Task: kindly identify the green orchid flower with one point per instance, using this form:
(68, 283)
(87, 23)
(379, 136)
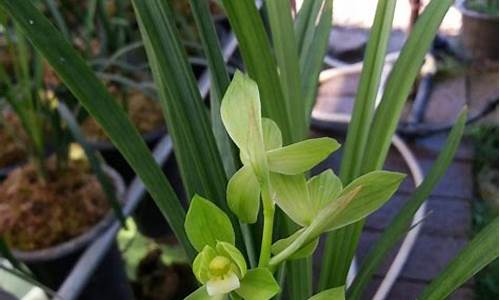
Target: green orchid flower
(261, 148)
(219, 266)
(321, 204)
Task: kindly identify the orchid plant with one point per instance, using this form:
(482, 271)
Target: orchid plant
(266, 191)
(274, 175)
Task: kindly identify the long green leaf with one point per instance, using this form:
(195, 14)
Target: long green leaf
(201, 168)
(478, 253)
(400, 82)
(219, 80)
(305, 23)
(402, 221)
(359, 126)
(311, 58)
(364, 104)
(285, 48)
(384, 125)
(82, 82)
(187, 119)
(259, 61)
(58, 18)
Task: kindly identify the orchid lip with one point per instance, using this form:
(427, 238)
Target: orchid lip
(223, 285)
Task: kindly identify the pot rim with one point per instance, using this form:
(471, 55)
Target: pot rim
(462, 7)
(106, 145)
(81, 240)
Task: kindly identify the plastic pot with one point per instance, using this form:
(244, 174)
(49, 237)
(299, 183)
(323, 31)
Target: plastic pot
(479, 33)
(51, 265)
(149, 219)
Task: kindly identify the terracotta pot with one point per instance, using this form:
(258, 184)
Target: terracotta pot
(479, 33)
(51, 265)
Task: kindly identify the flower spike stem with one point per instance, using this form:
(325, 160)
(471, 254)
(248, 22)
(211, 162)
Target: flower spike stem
(267, 234)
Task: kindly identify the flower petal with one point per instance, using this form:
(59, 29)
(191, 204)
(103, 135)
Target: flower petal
(243, 195)
(223, 286)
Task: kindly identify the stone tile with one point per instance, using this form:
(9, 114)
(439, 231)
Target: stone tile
(334, 104)
(428, 258)
(404, 290)
(456, 182)
(445, 217)
(431, 146)
(483, 87)
(447, 98)
(341, 85)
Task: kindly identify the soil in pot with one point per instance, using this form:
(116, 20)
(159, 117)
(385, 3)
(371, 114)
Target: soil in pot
(158, 281)
(11, 152)
(49, 225)
(146, 115)
(38, 215)
(144, 112)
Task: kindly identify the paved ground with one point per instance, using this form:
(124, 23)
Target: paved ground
(447, 228)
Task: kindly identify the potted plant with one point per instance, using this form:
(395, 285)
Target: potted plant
(250, 157)
(60, 200)
(479, 33)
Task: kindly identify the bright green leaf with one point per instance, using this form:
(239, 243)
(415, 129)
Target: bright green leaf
(302, 156)
(376, 188)
(243, 195)
(292, 197)
(323, 188)
(232, 252)
(201, 263)
(206, 224)
(258, 284)
(337, 293)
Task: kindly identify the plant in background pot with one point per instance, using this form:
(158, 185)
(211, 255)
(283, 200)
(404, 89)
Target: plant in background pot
(267, 121)
(54, 205)
(480, 28)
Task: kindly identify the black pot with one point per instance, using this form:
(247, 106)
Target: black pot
(6, 295)
(115, 159)
(52, 265)
(148, 217)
